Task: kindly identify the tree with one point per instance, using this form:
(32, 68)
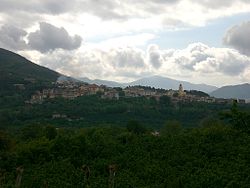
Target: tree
(5, 142)
(135, 127)
(50, 132)
(238, 119)
(171, 127)
(165, 100)
(31, 132)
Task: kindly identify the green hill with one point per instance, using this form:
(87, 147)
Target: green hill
(18, 73)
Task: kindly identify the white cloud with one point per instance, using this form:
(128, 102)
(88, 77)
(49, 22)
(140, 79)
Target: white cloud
(95, 18)
(137, 40)
(114, 30)
(196, 63)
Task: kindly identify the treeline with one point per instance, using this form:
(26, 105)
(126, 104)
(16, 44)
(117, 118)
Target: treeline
(215, 154)
(92, 110)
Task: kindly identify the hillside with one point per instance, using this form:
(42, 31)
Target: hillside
(237, 91)
(17, 71)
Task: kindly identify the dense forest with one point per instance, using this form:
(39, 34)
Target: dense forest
(134, 142)
(92, 110)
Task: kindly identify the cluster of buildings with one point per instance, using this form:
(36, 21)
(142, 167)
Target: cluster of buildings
(65, 90)
(72, 90)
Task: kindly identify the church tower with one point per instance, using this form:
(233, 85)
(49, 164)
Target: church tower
(181, 91)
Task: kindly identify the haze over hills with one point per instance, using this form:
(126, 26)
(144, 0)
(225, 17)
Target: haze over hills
(236, 91)
(157, 82)
(102, 82)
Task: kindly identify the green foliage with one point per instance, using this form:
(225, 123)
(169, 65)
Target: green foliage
(50, 132)
(210, 122)
(165, 100)
(92, 110)
(171, 127)
(135, 127)
(5, 141)
(197, 93)
(209, 156)
(238, 119)
(31, 132)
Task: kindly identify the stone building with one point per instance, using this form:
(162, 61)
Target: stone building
(181, 92)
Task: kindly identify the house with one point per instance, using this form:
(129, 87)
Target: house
(110, 95)
(93, 89)
(134, 92)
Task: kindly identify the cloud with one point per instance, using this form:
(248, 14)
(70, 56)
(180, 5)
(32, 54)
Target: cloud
(127, 40)
(49, 37)
(34, 6)
(154, 56)
(238, 37)
(246, 75)
(12, 37)
(195, 62)
(97, 63)
(173, 12)
(218, 4)
(201, 58)
(125, 57)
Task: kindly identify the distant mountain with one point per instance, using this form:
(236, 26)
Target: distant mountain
(103, 82)
(16, 70)
(64, 78)
(236, 91)
(167, 83)
(157, 82)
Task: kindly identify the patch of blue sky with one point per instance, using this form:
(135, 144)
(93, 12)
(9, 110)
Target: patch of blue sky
(211, 34)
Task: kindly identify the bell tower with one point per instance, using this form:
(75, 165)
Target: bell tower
(181, 91)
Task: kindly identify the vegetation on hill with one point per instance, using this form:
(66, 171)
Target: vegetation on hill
(20, 78)
(18, 73)
(87, 111)
(197, 93)
(216, 154)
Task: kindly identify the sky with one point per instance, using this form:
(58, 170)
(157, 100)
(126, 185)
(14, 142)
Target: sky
(201, 41)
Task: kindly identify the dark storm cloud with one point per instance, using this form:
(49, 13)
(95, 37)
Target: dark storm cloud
(49, 38)
(238, 37)
(12, 38)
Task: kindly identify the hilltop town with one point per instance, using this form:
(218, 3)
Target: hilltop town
(71, 90)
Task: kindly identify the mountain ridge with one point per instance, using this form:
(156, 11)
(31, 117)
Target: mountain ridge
(155, 81)
(240, 91)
